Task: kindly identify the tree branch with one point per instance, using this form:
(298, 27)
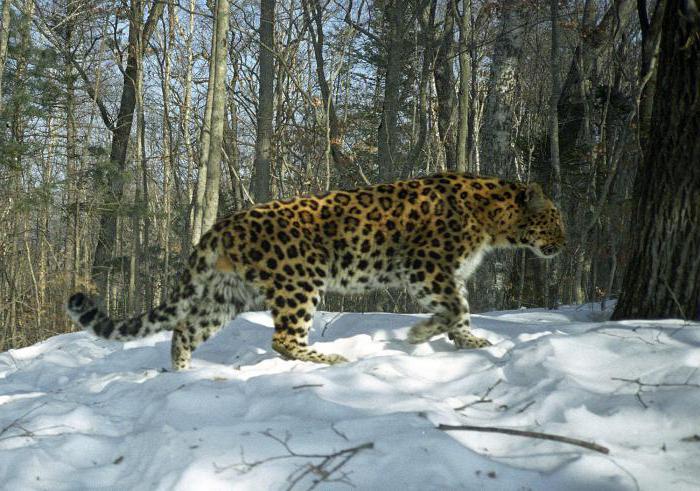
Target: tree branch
(532, 434)
(47, 32)
(104, 112)
(153, 15)
(359, 28)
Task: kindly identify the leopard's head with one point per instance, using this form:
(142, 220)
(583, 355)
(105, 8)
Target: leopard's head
(540, 228)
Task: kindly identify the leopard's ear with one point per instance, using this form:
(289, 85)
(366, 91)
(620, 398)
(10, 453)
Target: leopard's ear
(532, 197)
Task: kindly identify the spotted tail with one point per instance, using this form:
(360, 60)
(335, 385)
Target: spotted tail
(85, 313)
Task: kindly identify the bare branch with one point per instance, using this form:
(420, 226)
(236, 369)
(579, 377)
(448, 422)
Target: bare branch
(358, 27)
(531, 434)
(327, 470)
(48, 33)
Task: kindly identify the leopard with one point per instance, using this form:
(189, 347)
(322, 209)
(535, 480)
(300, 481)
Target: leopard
(426, 235)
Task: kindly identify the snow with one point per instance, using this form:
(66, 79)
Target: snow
(78, 412)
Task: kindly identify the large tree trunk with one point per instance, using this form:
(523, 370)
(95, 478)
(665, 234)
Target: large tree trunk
(463, 163)
(263, 141)
(553, 276)
(185, 110)
(496, 155)
(204, 146)
(663, 278)
(445, 88)
(651, 35)
(387, 133)
(142, 199)
(553, 104)
(168, 150)
(217, 116)
(106, 238)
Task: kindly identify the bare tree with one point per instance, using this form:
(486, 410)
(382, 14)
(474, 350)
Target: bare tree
(313, 16)
(139, 36)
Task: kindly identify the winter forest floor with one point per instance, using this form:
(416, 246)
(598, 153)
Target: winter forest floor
(81, 413)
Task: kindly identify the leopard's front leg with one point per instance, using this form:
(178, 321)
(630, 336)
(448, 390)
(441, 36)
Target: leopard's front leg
(446, 297)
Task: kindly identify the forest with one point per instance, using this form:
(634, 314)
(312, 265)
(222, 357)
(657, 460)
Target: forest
(128, 126)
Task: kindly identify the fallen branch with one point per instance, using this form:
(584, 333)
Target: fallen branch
(641, 385)
(306, 386)
(645, 384)
(483, 399)
(531, 434)
(16, 424)
(329, 469)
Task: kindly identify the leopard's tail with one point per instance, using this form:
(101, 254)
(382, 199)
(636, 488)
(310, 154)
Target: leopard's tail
(85, 313)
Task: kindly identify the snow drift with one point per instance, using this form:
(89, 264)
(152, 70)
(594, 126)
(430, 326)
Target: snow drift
(77, 412)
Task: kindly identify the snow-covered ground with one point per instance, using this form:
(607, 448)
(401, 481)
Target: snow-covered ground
(81, 413)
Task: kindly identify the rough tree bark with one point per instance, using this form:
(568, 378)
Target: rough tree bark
(263, 142)
(663, 277)
(553, 103)
(445, 88)
(387, 133)
(463, 163)
(217, 116)
(650, 31)
(498, 114)
(204, 145)
(553, 273)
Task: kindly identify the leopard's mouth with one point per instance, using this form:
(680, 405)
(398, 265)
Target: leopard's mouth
(549, 250)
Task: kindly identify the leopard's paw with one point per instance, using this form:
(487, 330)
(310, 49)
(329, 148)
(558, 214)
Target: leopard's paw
(466, 340)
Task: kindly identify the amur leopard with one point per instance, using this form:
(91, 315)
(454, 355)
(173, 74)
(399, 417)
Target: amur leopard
(426, 235)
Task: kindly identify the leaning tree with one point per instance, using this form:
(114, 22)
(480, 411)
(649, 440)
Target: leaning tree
(663, 275)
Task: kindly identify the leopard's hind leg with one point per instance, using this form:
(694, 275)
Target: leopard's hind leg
(193, 331)
(224, 296)
(292, 313)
